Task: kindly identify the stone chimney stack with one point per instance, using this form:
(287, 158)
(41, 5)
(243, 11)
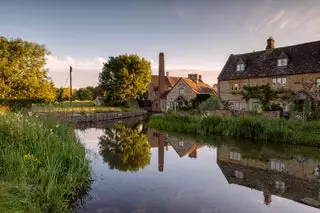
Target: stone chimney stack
(270, 43)
(194, 77)
(167, 74)
(161, 78)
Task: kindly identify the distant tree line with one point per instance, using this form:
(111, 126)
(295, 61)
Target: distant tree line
(82, 94)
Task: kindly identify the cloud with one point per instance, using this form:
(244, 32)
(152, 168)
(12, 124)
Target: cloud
(56, 64)
(277, 17)
(303, 18)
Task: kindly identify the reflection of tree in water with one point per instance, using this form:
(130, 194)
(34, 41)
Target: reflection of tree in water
(125, 149)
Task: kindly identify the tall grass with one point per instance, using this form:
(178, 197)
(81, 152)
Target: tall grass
(43, 167)
(76, 107)
(251, 127)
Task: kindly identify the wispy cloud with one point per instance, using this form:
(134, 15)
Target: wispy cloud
(303, 18)
(57, 64)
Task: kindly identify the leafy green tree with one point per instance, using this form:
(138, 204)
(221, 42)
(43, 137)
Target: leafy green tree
(84, 94)
(22, 72)
(125, 149)
(125, 77)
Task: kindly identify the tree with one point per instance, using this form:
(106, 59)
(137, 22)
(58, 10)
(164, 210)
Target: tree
(125, 77)
(84, 94)
(125, 149)
(22, 73)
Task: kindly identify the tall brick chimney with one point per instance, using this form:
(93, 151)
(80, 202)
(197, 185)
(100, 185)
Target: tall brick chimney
(270, 43)
(161, 78)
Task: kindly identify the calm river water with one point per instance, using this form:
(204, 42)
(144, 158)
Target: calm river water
(138, 170)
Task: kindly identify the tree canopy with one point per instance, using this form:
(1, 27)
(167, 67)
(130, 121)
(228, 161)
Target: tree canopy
(125, 77)
(85, 94)
(125, 149)
(22, 72)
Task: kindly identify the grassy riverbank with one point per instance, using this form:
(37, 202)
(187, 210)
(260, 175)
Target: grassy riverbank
(77, 107)
(43, 167)
(254, 128)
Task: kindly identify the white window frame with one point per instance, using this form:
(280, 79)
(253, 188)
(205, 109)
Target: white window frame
(240, 67)
(279, 81)
(278, 166)
(236, 87)
(282, 62)
(181, 90)
(180, 143)
(318, 82)
(234, 156)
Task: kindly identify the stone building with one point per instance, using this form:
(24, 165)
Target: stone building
(166, 92)
(295, 68)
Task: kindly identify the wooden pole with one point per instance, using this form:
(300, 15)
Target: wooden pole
(70, 97)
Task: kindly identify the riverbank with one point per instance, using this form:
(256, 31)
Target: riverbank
(43, 167)
(77, 118)
(251, 127)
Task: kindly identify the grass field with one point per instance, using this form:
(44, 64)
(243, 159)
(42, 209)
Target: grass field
(43, 166)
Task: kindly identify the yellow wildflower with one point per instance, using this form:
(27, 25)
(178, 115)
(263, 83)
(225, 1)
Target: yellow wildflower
(31, 157)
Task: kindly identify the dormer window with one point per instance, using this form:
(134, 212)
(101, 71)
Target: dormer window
(282, 62)
(240, 67)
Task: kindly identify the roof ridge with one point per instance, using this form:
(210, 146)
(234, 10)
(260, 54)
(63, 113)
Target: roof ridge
(277, 48)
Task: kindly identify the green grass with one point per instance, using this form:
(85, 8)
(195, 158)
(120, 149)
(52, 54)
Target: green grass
(77, 107)
(43, 167)
(251, 127)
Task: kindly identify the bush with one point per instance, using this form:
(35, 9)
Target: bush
(209, 104)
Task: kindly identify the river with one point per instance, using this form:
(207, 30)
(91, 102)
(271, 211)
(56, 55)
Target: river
(140, 170)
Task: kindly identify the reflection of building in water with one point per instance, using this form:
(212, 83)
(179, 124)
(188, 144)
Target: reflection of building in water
(292, 178)
(182, 147)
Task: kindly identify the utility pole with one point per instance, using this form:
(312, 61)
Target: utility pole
(70, 97)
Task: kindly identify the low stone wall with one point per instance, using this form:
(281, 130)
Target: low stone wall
(269, 114)
(92, 117)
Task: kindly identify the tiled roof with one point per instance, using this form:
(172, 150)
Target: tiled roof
(302, 59)
(199, 87)
(169, 81)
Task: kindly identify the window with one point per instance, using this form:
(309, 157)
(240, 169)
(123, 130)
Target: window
(235, 156)
(280, 184)
(180, 143)
(278, 166)
(240, 67)
(318, 82)
(238, 174)
(281, 81)
(282, 62)
(181, 90)
(236, 87)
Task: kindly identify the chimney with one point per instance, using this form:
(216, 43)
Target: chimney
(200, 78)
(194, 77)
(161, 144)
(167, 74)
(270, 43)
(161, 73)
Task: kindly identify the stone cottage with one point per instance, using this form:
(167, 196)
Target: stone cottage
(166, 92)
(295, 68)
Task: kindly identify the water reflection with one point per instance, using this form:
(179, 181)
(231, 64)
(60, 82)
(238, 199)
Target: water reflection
(292, 177)
(164, 172)
(182, 146)
(125, 149)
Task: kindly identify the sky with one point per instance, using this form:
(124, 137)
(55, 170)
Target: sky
(195, 35)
